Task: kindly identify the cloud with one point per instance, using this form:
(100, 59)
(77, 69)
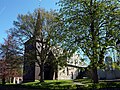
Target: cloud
(2, 10)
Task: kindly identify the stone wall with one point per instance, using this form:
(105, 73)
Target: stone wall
(109, 74)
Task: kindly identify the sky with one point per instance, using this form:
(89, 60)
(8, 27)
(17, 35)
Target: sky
(9, 10)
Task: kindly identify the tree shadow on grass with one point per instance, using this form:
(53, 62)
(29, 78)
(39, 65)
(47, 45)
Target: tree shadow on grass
(55, 85)
(61, 85)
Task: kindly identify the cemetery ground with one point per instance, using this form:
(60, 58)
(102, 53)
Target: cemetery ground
(79, 84)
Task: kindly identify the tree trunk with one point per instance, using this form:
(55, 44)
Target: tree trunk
(3, 81)
(95, 75)
(42, 72)
(94, 42)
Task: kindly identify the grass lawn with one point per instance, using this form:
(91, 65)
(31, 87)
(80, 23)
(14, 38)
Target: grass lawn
(102, 84)
(52, 84)
(85, 84)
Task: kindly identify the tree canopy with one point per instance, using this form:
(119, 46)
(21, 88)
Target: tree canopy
(91, 25)
(39, 28)
(11, 59)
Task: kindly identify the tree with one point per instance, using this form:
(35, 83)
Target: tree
(42, 41)
(118, 52)
(10, 57)
(3, 71)
(38, 26)
(92, 25)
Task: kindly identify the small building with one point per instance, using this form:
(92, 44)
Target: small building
(72, 69)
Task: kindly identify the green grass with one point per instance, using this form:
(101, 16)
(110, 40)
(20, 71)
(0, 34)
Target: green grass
(67, 84)
(88, 84)
(52, 84)
(83, 81)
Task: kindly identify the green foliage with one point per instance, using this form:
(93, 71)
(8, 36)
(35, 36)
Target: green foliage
(78, 16)
(116, 66)
(91, 25)
(26, 25)
(37, 29)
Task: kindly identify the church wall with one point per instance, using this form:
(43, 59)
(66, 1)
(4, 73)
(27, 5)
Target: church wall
(68, 73)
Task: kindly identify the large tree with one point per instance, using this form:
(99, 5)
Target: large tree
(92, 25)
(37, 26)
(10, 54)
